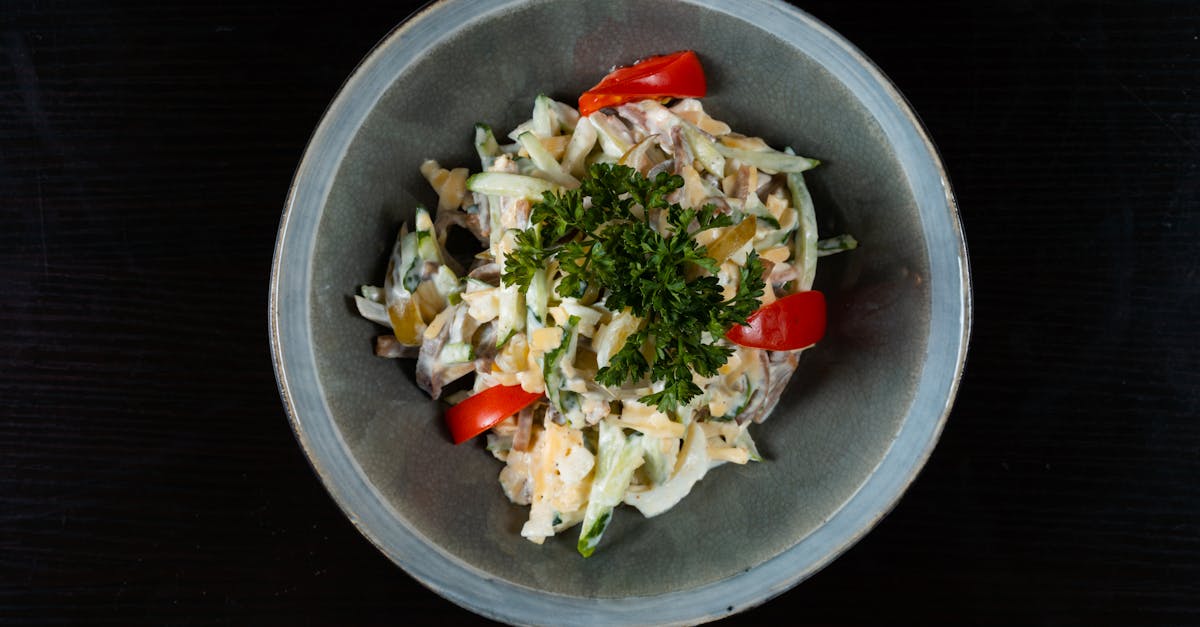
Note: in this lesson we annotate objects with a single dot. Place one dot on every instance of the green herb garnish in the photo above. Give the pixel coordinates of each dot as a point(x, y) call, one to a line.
point(609, 242)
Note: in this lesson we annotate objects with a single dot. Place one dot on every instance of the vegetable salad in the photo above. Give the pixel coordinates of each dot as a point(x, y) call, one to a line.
point(641, 298)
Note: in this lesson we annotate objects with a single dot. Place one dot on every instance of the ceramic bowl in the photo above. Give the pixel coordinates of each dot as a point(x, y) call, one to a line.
point(859, 419)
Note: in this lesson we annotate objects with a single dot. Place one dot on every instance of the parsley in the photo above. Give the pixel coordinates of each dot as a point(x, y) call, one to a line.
point(601, 234)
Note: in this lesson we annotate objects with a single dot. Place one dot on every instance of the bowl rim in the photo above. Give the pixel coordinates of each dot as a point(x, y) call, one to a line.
point(476, 590)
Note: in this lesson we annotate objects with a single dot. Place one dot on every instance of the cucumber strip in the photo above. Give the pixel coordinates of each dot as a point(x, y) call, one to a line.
point(504, 340)
point(424, 222)
point(658, 464)
point(457, 353)
point(707, 152)
point(566, 116)
point(370, 292)
point(542, 122)
point(804, 250)
point(373, 311)
point(582, 142)
point(447, 283)
point(427, 248)
point(544, 161)
point(525, 166)
point(766, 218)
point(511, 185)
point(477, 285)
point(511, 317)
point(532, 322)
point(836, 244)
point(614, 139)
point(527, 125)
point(745, 441)
point(564, 521)
point(588, 316)
point(599, 156)
point(769, 161)
point(617, 458)
point(551, 369)
point(491, 213)
point(663, 497)
point(485, 145)
point(402, 280)
point(537, 296)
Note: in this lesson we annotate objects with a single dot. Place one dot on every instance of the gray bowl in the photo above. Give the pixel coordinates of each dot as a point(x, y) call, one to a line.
point(859, 420)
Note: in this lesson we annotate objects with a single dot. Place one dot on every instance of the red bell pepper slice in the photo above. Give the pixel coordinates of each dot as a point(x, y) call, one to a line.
point(482, 411)
point(792, 322)
point(675, 75)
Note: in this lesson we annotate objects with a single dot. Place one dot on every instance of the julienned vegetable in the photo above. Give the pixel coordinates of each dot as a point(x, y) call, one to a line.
point(675, 75)
point(622, 249)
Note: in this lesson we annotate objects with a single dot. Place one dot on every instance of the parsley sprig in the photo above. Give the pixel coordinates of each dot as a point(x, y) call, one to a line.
point(602, 234)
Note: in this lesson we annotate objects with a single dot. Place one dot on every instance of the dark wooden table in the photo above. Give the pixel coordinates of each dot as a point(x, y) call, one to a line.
point(147, 471)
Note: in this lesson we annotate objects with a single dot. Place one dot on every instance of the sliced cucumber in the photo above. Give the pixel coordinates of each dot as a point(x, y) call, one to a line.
point(582, 142)
point(457, 353)
point(527, 125)
point(373, 311)
point(706, 151)
point(545, 162)
point(370, 292)
point(423, 220)
point(588, 317)
point(543, 123)
point(659, 464)
point(565, 115)
point(769, 161)
point(427, 248)
point(618, 457)
point(537, 296)
point(615, 140)
point(511, 185)
point(805, 245)
point(836, 244)
point(447, 284)
point(745, 441)
point(511, 317)
point(485, 145)
point(551, 365)
point(694, 466)
point(403, 278)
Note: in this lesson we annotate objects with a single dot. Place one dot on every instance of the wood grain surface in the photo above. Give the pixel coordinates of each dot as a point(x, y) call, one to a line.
point(148, 473)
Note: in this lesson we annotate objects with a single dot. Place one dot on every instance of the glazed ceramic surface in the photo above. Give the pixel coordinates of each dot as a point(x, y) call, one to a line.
point(860, 417)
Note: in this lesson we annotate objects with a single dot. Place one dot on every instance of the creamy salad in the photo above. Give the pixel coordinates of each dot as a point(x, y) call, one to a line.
point(617, 250)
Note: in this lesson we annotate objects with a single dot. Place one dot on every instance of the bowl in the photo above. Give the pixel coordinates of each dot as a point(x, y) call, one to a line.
point(864, 409)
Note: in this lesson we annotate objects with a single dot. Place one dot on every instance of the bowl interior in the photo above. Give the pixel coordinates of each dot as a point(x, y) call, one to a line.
point(834, 425)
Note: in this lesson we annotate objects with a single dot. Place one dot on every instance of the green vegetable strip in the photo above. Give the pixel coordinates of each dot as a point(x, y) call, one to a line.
point(544, 160)
point(805, 244)
point(485, 145)
point(617, 458)
point(836, 244)
point(552, 369)
point(769, 161)
point(512, 185)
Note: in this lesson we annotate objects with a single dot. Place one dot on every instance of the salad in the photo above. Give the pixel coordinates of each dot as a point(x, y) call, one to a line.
point(641, 296)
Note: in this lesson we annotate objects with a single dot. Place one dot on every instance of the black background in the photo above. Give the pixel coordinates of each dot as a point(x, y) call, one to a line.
point(148, 473)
